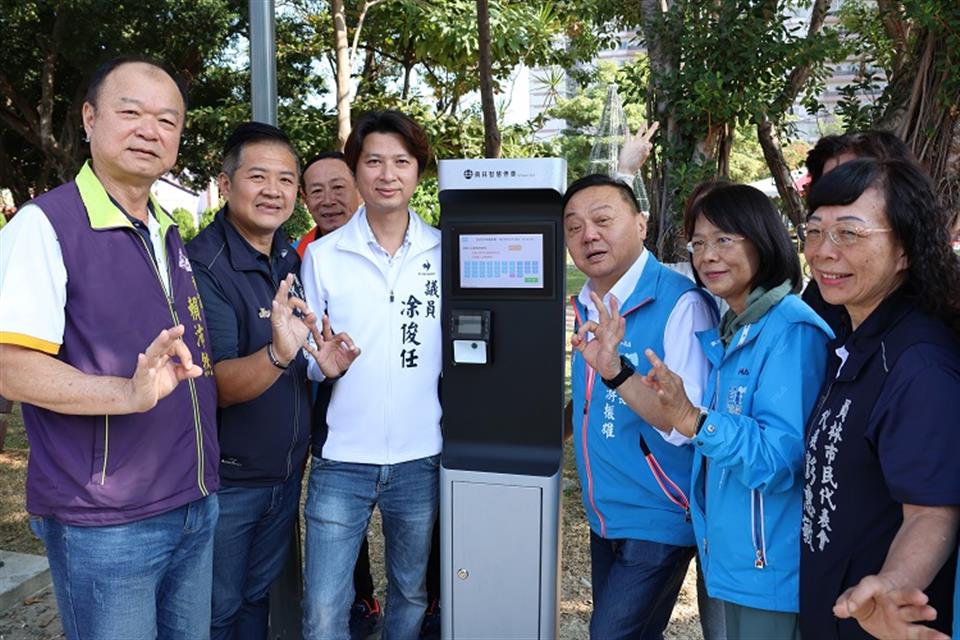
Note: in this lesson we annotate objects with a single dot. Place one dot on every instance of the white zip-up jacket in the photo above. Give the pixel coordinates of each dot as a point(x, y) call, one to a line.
point(386, 407)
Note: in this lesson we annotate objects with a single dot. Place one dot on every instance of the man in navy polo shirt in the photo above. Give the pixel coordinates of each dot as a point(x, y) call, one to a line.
point(247, 276)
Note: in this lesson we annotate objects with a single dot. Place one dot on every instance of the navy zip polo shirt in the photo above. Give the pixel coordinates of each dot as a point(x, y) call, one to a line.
point(262, 441)
point(883, 434)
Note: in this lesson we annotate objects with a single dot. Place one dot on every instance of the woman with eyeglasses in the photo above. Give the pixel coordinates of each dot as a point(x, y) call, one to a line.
point(767, 359)
point(882, 479)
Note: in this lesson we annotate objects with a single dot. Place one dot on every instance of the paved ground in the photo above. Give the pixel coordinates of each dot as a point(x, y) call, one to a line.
point(33, 619)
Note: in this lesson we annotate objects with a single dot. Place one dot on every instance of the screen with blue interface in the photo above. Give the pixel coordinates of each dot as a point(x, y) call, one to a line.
point(501, 261)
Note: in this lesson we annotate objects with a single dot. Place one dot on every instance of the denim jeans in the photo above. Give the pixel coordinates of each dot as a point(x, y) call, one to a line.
point(250, 546)
point(340, 500)
point(146, 579)
point(635, 585)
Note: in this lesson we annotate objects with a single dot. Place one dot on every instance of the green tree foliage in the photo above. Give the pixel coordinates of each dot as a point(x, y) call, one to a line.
point(298, 223)
point(184, 219)
point(51, 47)
point(583, 110)
point(907, 80)
point(716, 69)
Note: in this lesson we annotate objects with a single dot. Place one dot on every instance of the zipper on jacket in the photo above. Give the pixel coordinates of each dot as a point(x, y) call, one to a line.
point(106, 449)
point(296, 425)
point(590, 376)
point(198, 430)
point(757, 529)
point(591, 379)
point(296, 392)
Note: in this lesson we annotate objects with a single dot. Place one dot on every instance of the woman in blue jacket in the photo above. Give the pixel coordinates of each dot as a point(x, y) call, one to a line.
point(768, 358)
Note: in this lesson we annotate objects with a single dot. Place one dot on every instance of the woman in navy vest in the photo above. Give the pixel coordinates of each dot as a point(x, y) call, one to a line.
point(748, 434)
point(878, 545)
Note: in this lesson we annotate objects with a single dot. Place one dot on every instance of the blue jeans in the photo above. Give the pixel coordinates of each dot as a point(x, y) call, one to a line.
point(145, 579)
point(340, 500)
point(635, 585)
point(249, 549)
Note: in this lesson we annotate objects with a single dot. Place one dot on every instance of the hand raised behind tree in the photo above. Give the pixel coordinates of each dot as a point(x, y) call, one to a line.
point(636, 149)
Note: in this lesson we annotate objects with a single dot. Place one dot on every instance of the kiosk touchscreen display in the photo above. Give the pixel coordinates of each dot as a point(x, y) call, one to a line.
point(501, 261)
point(504, 260)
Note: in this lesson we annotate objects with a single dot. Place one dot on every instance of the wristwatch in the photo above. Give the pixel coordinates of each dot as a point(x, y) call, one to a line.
point(626, 370)
point(701, 419)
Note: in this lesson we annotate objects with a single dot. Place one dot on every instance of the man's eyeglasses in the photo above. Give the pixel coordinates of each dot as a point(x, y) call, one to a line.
point(721, 244)
point(841, 234)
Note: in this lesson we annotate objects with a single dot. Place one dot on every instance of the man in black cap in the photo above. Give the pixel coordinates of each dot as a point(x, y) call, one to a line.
point(258, 325)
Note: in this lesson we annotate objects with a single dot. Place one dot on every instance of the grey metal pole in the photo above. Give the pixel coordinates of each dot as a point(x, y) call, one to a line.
point(263, 61)
point(287, 591)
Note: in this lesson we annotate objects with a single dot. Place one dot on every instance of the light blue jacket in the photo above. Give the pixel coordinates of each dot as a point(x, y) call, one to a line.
point(622, 498)
point(747, 479)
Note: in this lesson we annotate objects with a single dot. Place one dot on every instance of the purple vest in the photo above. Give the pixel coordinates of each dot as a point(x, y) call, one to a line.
point(105, 470)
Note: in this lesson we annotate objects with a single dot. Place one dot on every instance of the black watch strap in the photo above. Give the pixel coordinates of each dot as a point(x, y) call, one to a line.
point(626, 370)
point(701, 419)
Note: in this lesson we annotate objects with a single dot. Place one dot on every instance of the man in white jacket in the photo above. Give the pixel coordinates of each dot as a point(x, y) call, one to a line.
point(378, 278)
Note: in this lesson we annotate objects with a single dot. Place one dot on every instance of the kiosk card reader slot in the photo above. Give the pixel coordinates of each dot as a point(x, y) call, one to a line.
point(471, 336)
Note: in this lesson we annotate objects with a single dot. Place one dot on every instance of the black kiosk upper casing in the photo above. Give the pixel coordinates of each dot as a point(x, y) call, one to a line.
point(504, 416)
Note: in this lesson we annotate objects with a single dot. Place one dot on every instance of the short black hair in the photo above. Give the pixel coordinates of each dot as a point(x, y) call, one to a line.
point(252, 133)
point(388, 121)
point(601, 180)
point(100, 74)
point(746, 211)
point(919, 223)
point(326, 155)
point(873, 143)
point(827, 147)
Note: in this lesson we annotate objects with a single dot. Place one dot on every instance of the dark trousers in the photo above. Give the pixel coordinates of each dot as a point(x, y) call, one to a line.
point(635, 585)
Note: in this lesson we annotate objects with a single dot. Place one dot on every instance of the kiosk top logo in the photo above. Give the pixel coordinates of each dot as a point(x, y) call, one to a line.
point(503, 173)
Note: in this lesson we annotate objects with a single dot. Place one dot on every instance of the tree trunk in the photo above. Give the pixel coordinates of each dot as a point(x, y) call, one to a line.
point(923, 116)
point(344, 68)
point(766, 128)
point(407, 69)
point(772, 153)
point(663, 62)
point(491, 132)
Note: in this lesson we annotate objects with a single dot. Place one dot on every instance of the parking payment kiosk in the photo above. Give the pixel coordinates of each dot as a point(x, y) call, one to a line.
point(502, 396)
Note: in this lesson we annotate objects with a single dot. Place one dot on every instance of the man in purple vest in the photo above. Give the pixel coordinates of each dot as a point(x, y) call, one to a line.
point(103, 340)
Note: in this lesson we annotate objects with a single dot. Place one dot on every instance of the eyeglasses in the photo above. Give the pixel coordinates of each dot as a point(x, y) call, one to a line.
point(841, 234)
point(721, 244)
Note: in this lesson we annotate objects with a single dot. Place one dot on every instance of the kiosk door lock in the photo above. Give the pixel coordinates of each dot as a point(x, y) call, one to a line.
point(471, 337)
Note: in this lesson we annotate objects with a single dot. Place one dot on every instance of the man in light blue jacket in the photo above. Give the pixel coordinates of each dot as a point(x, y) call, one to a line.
point(635, 481)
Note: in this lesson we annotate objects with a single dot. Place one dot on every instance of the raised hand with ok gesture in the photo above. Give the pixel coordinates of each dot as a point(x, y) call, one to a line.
point(602, 352)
